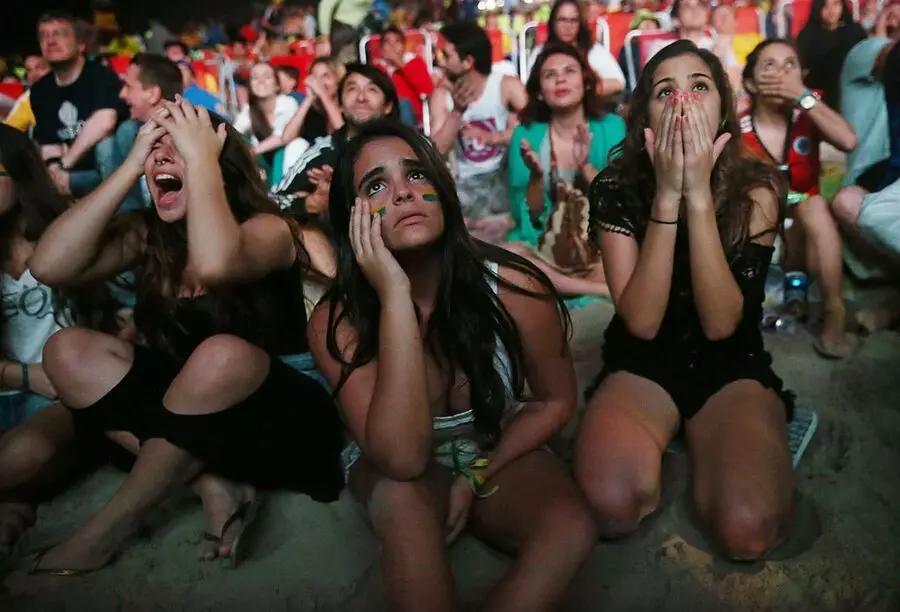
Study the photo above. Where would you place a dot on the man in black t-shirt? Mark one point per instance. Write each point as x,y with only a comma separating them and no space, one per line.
76,108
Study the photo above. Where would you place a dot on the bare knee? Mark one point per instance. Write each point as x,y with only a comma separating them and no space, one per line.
397,506
225,362
618,503
27,447
748,530
847,204
815,215
571,527
72,351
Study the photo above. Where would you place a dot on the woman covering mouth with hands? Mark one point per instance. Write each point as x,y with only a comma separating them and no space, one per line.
685,223
220,306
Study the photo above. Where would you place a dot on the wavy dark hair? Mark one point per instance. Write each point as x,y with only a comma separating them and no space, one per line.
36,204
161,271
469,318
259,123
583,39
735,174
537,109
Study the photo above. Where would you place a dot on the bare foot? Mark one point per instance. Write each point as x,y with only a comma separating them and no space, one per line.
15,519
221,499
833,341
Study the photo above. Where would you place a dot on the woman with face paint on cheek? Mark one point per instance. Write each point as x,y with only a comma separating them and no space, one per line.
429,337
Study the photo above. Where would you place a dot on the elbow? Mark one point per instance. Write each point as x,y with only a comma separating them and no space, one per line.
44,275
717,330
213,274
642,330
849,143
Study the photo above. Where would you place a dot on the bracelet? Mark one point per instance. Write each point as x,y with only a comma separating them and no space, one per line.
25,384
661,222
476,480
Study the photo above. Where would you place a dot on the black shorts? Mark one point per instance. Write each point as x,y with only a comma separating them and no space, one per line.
286,434
691,387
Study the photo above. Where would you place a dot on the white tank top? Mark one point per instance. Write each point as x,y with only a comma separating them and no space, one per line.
490,114
30,318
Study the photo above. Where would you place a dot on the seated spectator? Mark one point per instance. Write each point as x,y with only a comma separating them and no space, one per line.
644,20
731,44
450,365
288,81
872,215
21,116
562,142
863,103
567,25
263,120
32,312
177,51
149,81
686,225
824,42
476,119
786,123
408,71
252,418
365,93
320,113
195,94
691,19
77,109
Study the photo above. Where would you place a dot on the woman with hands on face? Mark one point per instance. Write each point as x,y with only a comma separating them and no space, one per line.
685,224
320,113
430,337
785,125
208,397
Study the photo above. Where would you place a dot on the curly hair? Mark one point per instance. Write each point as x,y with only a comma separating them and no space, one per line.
735,175
469,319
537,109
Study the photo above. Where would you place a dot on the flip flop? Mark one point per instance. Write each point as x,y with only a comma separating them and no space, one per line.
246,513
35,570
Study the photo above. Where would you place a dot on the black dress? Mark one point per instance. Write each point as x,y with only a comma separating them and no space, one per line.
680,359
286,434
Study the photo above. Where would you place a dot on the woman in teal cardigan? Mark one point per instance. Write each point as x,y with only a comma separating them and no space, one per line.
564,122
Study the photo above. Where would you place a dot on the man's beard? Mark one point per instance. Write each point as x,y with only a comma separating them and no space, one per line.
63,65
358,121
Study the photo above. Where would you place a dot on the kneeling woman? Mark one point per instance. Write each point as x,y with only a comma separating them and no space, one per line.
686,225
219,298
430,337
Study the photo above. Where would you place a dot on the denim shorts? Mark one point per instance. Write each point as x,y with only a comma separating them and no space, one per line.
17,406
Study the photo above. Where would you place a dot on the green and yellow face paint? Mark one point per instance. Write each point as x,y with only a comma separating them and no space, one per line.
379,209
430,195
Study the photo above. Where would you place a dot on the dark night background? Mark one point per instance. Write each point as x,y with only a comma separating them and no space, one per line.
18,25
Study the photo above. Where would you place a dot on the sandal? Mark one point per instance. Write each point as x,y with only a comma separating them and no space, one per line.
34,570
246,513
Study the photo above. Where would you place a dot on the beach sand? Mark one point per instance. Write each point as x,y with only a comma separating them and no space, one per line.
306,556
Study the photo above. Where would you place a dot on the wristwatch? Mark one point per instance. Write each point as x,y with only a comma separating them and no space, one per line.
808,100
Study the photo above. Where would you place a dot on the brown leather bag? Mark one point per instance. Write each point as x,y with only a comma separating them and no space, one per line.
565,243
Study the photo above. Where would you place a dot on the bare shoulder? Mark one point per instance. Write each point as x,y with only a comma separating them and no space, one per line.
318,329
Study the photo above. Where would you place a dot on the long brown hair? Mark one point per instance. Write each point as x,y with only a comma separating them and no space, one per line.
537,109
735,175
161,272
259,123
37,203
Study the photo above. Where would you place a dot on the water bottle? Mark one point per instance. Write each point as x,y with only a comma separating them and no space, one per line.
796,286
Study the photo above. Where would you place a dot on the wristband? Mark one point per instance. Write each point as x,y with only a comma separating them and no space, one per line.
661,222
53,161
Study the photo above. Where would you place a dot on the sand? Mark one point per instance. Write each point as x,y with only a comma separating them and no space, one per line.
306,556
